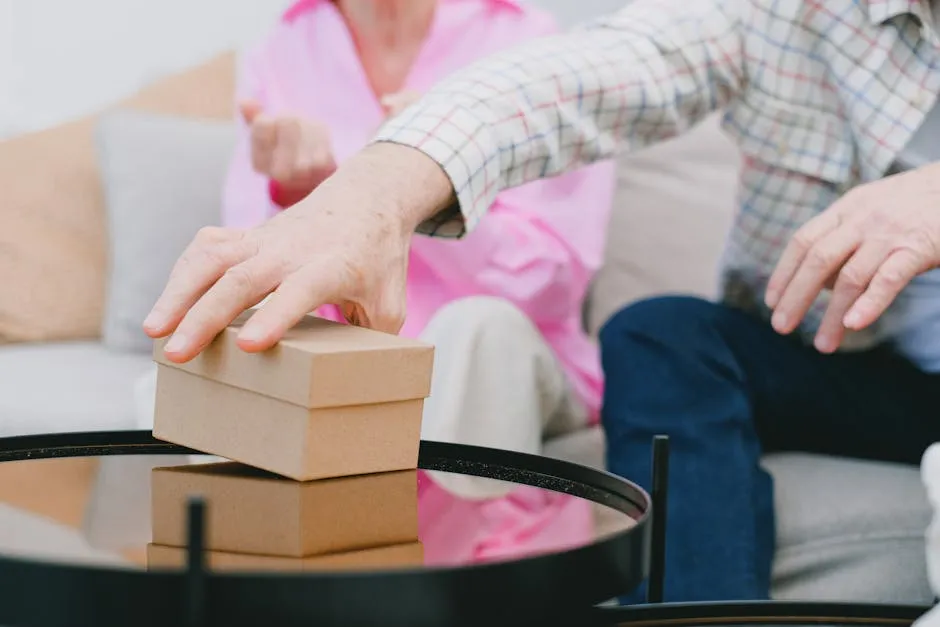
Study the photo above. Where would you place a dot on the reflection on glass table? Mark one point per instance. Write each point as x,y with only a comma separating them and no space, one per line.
256,521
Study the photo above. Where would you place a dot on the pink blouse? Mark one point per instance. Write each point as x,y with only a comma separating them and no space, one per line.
538,248
540,244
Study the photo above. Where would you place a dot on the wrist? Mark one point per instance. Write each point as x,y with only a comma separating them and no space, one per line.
417,186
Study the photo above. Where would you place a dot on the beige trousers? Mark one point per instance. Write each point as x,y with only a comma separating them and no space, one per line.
496,383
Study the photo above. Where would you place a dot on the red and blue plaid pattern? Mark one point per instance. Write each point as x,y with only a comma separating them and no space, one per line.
820,95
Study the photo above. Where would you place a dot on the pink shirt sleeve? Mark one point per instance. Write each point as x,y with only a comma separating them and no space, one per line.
539,246
246,198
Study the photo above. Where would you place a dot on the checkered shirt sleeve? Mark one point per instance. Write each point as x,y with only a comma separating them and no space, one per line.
639,76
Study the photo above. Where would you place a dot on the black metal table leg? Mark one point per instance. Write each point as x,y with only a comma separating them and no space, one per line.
195,564
660,495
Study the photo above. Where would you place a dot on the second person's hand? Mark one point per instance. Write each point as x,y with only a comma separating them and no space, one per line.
867,247
293,151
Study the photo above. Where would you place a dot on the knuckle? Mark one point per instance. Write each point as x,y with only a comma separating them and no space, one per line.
920,242
890,279
241,279
820,258
290,126
212,235
801,241
852,278
215,257
261,135
216,246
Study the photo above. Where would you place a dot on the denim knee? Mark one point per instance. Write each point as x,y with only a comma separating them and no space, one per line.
680,321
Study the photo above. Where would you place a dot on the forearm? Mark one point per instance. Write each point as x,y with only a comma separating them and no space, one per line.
550,106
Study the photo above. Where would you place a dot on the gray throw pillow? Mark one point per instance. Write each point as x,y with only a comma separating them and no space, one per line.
163,179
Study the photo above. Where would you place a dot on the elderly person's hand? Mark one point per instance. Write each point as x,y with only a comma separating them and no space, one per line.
293,151
345,244
867,247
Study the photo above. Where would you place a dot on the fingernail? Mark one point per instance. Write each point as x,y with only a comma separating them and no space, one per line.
153,321
779,321
250,334
824,343
770,299
852,319
176,344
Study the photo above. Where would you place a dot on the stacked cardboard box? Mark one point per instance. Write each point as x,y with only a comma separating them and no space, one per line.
329,400
257,521
323,431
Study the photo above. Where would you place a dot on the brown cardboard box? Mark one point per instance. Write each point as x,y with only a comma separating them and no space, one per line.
289,440
253,512
410,555
329,400
318,364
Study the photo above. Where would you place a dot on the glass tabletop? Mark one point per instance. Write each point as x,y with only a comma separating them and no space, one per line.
134,516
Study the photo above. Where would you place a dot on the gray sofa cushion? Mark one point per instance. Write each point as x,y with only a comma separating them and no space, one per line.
55,388
162,177
846,530
849,530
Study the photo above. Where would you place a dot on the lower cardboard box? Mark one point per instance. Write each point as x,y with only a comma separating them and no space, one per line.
250,511
287,439
410,555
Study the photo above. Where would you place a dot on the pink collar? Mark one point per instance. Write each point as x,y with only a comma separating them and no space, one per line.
304,6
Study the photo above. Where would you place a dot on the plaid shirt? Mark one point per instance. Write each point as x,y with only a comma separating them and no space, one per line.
820,95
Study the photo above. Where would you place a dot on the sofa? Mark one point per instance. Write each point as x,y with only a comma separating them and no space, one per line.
94,211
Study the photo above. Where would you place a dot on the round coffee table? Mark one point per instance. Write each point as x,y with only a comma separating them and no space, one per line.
380,550
223,544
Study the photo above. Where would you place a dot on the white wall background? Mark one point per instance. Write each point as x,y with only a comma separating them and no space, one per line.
61,59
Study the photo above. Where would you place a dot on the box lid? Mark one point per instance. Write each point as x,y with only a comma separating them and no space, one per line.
319,363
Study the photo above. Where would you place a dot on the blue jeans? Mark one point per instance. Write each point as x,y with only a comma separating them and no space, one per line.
726,389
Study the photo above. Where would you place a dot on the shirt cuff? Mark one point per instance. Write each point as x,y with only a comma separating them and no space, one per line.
461,142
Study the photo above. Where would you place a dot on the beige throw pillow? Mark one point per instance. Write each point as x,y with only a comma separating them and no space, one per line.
53,244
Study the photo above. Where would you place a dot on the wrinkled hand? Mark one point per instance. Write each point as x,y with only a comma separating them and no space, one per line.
293,151
866,247
345,244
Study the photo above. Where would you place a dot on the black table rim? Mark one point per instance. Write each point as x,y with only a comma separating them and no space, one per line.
760,613
537,590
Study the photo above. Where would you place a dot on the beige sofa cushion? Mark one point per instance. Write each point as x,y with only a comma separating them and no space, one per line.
53,252
672,211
